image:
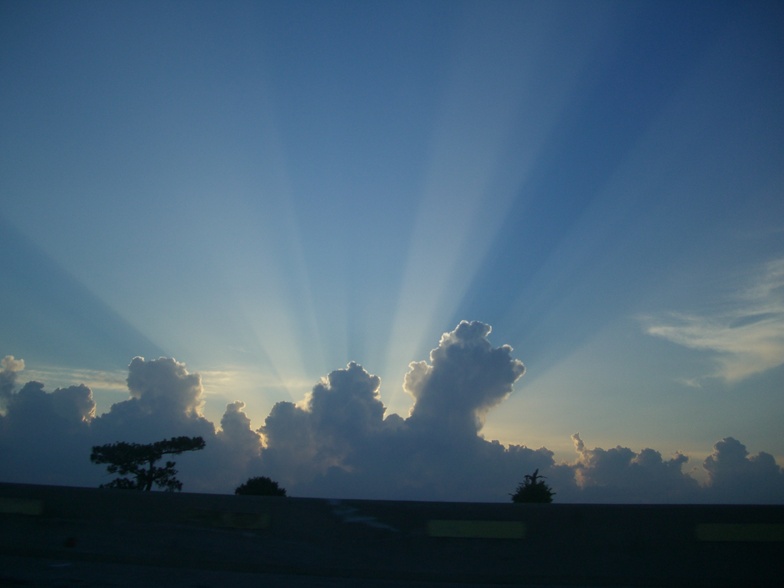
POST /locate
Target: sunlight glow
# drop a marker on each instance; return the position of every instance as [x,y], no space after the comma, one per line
[471,183]
[266,194]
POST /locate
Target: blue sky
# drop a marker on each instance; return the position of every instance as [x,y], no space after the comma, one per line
[267,191]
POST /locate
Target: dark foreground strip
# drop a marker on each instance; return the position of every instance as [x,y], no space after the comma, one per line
[740,532]
[229,520]
[476,529]
[24,506]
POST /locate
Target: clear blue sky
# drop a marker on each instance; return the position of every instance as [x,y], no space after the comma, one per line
[269,190]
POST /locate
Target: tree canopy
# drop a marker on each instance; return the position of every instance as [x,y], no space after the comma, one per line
[533,489]
[260,486]
[135,462]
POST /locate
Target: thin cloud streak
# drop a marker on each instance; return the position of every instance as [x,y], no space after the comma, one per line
[109,380]
[747,337]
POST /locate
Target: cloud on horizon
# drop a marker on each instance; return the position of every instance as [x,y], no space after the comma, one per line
[339,441]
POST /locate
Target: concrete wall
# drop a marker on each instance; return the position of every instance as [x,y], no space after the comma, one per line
[585,545]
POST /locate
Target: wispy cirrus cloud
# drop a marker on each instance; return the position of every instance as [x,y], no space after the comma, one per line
[113,380]
[747,335]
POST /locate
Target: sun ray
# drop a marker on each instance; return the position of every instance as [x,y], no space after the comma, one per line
[489,112]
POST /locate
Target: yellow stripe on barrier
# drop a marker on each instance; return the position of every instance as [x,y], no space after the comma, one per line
[740,532]
[476,529]
[24,506]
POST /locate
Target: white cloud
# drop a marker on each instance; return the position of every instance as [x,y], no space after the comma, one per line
[735,475]
[466,377]
[11,364]
[45,436]
[747,336]
[230,457]
[335,420]
[165,401]
[9,368]
[339,441]
[621,475]
[165,384]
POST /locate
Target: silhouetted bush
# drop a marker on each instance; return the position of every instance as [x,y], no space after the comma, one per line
[260,486]
[533,489]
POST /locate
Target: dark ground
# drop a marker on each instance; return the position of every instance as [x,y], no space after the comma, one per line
[57,536]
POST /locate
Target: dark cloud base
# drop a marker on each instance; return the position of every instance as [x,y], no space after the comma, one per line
[339,442]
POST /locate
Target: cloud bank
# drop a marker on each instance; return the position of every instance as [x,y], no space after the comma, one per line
[339,441]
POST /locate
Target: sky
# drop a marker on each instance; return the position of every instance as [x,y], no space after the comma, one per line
[374,248]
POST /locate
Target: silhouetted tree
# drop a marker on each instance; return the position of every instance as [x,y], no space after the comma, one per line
[533,489]
[139,460]
[260,486]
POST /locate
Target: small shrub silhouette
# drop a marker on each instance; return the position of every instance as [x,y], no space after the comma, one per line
[533,489]
[260,486]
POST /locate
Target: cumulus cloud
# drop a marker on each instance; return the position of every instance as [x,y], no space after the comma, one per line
[236,429]
[230,457]
[621,475]
[9,368]
[735,475]
[165,400]
[339,440]
[337,418]
[44,435]
[466,377]
[747,335]
[165,385]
